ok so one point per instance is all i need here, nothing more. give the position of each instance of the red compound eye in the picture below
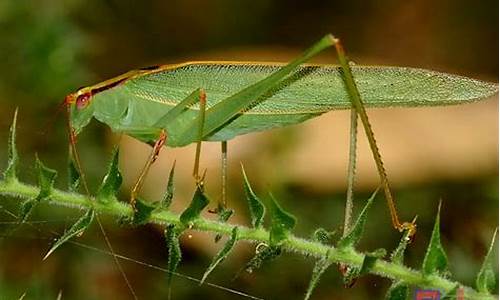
(83, 100)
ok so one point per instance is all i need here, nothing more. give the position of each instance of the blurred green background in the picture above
(50, 48)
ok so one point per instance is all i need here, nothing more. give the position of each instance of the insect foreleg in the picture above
(152, 158)
(360, 109)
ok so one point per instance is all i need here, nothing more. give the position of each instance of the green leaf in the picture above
(111, 182)
(398, 291)
(486, 281)
(169, 193)
(257, 209)
(223, 214)
(397, 255)
(353, 237)
(435, 260)
(263, 253)
(142, 212)
(74, 176)
(46, 179)
(26, 209)
(76, 230)
(282, 223)
(199, 202)
(323, 236)
(223, 253)
(319, 268)
(174, 250)
(10, 172)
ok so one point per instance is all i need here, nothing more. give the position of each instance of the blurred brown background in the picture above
(50, 48)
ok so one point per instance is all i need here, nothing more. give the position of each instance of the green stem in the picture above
(292, 243)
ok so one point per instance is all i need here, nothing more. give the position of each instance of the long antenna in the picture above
(74, 154)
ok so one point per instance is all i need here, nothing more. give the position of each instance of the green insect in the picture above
(176, 105)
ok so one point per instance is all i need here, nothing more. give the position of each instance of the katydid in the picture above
(176, 105)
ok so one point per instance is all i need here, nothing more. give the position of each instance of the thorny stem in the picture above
(292, 243)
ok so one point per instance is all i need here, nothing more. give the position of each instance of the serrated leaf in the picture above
(46, 179)
(319, 268)
(192, 212)
(10, 172)
(111, 182)
(282, 223)
(174, 250)
(223, 214)
(73, 176)
(76, 230)
(169, 193)
(257, 209)
(262, 255)
(398, 291)
(353, 237)
(323, 236)
(26, 209)
(397, 256)
(142, 212)
(435, 260)
(223, 253)
(486, 281)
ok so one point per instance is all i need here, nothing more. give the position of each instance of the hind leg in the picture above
(357, 104)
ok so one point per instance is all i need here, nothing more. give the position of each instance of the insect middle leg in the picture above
(221, 206)
(223, 201)
(201, 123)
